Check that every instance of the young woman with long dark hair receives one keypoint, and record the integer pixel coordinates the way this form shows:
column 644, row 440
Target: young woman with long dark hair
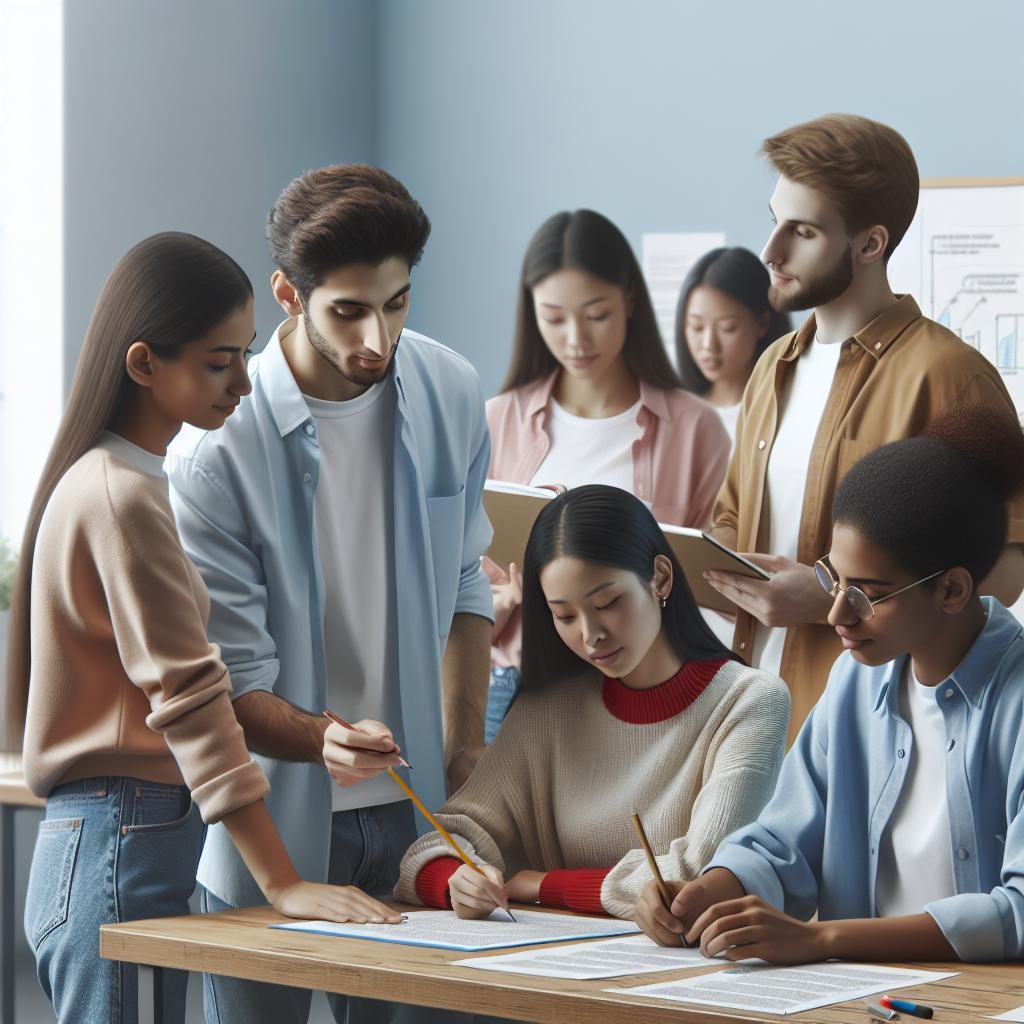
column 628, row 704
column 723, row 323
column 116, row 694
column 591, row 398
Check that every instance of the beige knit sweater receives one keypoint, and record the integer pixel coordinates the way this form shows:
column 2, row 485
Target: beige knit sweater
column 558, row 786
column 124, row 680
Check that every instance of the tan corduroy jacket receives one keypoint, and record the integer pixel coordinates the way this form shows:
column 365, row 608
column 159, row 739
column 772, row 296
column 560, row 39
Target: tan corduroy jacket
column 893, row 378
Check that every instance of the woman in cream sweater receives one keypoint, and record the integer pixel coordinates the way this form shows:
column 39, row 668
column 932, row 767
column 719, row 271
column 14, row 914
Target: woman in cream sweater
column 123, row 703
column 628, row 704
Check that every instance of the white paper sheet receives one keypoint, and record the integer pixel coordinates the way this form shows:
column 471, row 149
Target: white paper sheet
column 1017, row 1015
column 443, row 930
column 786, row 990
column 667, row 259
column 610, row 959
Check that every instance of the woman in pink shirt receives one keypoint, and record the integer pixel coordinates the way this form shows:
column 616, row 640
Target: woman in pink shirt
column 591, row 397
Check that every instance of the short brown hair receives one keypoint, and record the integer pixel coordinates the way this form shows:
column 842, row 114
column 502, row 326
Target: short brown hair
column 340, row 215
column 865, row 168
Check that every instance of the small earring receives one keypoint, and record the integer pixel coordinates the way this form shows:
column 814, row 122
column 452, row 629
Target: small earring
column 664, row 602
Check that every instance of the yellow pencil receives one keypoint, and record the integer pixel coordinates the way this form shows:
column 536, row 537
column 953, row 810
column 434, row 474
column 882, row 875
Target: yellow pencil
column 666, row 896
column 421, row 807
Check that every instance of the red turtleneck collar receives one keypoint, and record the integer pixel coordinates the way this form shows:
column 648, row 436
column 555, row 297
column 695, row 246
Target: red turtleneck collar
column 645, row 707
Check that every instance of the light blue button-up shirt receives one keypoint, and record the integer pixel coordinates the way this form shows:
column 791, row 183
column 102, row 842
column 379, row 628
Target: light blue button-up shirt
column 815, row 846
column 243, row 497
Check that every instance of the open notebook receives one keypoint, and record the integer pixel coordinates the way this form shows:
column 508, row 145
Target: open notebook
column 513, row 508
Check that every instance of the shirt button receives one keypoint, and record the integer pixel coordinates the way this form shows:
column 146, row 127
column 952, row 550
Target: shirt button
column 309, row 429
column 949, row 691
column 761, row 444
column 962, row 854
column 306, row 477
column 901, row 752
column 878, row 345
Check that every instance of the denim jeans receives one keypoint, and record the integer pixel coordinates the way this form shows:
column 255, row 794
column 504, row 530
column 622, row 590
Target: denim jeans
column 109, row 849
column 503, row 689
column 366, row 848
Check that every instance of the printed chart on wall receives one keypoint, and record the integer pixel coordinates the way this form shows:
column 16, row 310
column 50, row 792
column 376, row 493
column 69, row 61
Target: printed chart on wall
column 667, row 258
column 963, row 260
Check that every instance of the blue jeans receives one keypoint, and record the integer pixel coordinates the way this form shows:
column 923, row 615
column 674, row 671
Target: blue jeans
column 366, row 848
column 503, row 689
column 109, row 849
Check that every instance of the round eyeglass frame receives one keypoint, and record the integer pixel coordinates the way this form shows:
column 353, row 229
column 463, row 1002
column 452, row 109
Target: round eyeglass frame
column 860, row 604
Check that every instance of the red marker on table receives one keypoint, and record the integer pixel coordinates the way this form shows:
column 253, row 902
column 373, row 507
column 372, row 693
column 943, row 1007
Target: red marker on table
column 905, row 1006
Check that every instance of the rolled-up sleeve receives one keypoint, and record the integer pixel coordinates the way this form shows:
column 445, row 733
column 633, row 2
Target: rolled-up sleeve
column 213, row 533
column 160, row 633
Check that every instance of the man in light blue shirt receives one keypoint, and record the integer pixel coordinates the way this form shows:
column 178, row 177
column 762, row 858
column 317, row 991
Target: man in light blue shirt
column 338, row 523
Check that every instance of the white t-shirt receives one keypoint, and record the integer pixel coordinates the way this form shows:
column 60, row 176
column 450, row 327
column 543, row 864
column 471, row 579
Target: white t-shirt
column 915, row 857
column 800, row 411
column 589, row 451
column 729, row 415
column 353, row 513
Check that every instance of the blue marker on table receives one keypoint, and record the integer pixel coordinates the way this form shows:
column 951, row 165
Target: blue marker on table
column 906, row 1006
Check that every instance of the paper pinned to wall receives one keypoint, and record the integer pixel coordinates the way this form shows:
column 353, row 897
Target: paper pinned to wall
column 667, row 258
column 963, row 260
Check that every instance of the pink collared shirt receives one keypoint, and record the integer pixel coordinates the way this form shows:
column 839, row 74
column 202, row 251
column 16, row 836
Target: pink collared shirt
column 679, row 460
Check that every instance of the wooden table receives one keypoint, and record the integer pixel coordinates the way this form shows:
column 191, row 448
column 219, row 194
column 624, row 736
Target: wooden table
column 240, row 945
column 14, row 796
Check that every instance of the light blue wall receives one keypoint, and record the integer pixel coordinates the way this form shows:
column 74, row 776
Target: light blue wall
column 497, row 114
column 192, row 115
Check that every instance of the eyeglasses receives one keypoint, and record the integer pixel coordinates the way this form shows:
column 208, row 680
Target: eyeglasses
column 862, row 605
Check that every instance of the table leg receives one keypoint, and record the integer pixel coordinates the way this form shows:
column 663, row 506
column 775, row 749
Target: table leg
column 7, row 914
column 151, row 994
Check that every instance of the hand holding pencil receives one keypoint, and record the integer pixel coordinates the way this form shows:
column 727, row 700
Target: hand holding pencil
column 500, row 900
column 355, row 753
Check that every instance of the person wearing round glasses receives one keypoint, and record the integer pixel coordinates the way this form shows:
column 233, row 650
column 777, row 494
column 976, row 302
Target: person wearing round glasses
column 860, row 604
column 895, row 831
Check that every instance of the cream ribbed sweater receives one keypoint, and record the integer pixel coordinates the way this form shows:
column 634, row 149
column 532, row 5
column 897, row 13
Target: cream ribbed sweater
column 558, row 786
column 124, row 680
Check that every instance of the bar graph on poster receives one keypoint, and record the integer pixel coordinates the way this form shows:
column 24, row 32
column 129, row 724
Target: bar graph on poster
column 963, row 260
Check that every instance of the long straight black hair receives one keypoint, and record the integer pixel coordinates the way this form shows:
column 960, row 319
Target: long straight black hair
column 607, row 526
column 585, row 240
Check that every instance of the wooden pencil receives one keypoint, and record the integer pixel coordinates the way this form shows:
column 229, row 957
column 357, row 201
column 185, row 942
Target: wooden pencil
column 666, row 896
column 421, row 807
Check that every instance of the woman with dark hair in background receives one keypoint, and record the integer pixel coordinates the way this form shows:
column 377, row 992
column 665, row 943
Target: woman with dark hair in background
column 591, row 397
column 896, row 830
column 723, row 324
column 120, row 700
column 628, row 704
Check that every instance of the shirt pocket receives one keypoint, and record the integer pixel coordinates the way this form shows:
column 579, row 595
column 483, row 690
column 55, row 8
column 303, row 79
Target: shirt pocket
column 446, row 517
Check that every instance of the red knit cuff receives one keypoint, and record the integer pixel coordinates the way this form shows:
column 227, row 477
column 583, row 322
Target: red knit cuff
column 574, row 890
column 432, row 882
